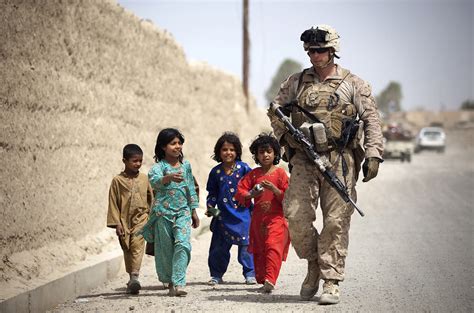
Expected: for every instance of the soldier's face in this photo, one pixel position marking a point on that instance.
(319, 57)
(265, 156)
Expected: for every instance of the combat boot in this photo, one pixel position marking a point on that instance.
(310, 284)
(330, 293)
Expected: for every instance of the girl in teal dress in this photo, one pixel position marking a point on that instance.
(173, 212)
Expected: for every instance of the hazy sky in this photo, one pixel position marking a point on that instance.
(425, 45)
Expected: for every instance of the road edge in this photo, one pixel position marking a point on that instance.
(75, 283)
(68, 287)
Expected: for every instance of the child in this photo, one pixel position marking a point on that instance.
(173, 212)
(230, 224)
(269, 237)
(130, 199)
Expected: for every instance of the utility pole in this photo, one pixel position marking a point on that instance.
(246, 57)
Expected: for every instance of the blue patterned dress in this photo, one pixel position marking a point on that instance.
(169, 225)
(231, 227)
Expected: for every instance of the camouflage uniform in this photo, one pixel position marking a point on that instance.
(339, 97)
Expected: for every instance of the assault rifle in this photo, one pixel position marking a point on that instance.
(308, 148)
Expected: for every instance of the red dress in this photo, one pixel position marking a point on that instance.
(269, 237)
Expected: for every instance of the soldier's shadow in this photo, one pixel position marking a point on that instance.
(259, 297)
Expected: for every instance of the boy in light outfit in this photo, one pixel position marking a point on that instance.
(130, 199)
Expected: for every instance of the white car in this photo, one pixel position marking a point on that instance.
(432, 138)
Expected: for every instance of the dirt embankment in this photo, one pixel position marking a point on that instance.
(80, 79)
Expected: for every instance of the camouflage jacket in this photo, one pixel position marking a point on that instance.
(351, 90)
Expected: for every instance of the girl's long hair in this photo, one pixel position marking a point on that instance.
(164, 138)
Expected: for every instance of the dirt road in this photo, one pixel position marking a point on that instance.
(412, 252)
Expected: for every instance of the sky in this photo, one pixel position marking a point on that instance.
(426, 46)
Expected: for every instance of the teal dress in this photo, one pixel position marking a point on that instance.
(169, 225)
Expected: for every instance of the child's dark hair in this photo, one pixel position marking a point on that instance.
(231, 138)
(265, 140)
(165, 137)
(130, 150)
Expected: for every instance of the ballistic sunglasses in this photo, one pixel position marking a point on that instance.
(318, 50)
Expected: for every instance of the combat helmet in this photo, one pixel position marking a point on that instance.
(320, 36)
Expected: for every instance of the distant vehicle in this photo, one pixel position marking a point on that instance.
(398, 143)
(430, 138)
(398, 149)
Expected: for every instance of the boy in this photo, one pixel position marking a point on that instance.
(130, 199)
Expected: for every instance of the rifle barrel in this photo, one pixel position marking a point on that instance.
(356, 207)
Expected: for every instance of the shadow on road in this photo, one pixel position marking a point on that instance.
(121, 293)
(223, 289)
(259, 297)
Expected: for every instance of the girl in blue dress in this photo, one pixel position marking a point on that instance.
(173, 212)
(231, 221)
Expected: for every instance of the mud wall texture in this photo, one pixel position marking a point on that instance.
(80, 79)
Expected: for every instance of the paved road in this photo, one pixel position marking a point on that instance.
(412, 252)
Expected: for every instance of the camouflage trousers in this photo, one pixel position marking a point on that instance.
(307, 185)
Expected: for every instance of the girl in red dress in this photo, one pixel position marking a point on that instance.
(269, 236)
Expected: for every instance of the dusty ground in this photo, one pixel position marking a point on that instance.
(412, 252)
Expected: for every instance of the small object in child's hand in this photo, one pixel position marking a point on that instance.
(213, 211)
(258, 187)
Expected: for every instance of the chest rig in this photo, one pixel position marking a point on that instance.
(325, 103)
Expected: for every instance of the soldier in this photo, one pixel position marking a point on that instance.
(330, 96)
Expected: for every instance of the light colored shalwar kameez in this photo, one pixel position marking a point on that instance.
(130, 199)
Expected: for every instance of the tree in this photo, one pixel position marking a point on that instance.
(286, 68)
(467, 105)
(389, 100)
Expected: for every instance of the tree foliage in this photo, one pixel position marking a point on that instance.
(286, 68)
(467, 105)
(389, 100)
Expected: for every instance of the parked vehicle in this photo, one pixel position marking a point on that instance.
(431, 138)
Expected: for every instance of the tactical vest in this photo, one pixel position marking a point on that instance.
(325, 101)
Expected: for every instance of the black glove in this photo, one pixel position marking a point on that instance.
(286, 109)
(370, 168)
